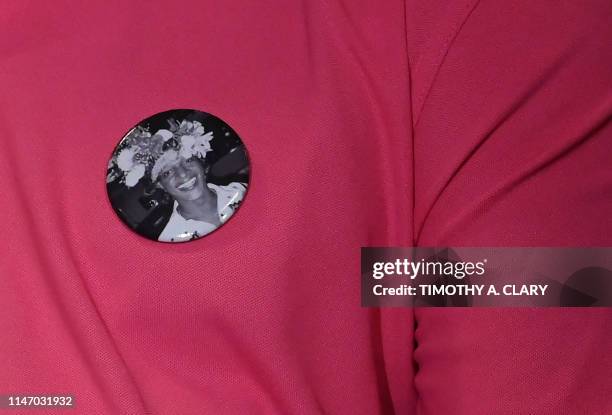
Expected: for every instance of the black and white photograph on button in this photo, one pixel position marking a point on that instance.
(178, 175)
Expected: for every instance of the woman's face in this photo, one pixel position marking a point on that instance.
(184, 179)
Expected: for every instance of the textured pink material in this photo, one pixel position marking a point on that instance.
(513, 147)
(367, 123)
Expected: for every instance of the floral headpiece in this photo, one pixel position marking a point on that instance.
(140, 152)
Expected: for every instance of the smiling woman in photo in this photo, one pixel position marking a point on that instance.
(199, 207)
(174, 160)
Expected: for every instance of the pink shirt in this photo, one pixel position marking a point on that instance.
(368, 123)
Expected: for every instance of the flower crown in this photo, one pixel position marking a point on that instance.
(140, 152)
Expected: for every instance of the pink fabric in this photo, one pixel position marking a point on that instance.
(368, 124)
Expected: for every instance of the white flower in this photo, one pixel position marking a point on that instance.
(198, 129)
(202, 144)
(135, 175)
(185, 126)
(165, 135)
(125, 159)
(187, 143)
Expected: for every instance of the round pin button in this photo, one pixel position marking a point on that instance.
(178, 175)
